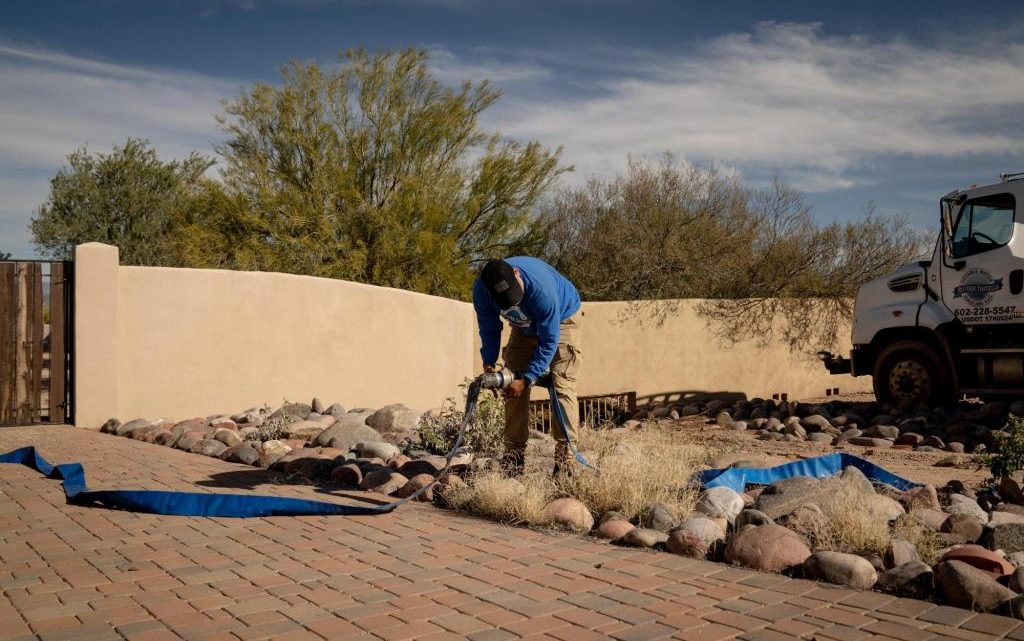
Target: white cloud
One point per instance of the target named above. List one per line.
(52, 103)
(791, 99)
(825, 112)
(482, 64)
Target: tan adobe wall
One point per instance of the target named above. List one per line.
(161, 342)
(625, 350)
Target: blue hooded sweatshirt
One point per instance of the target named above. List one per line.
(548, 299)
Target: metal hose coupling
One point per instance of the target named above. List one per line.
(499, 379)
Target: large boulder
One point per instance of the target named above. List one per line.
(751, 516)
(960, 504)
(377, 449)
(912, 580)
(189, 440)
(613, 529)
(840, 568)
(697, 537)
(209, 447)
(165, 438)
(962, 528)
(884, 507)
(129, 428)
(929, 518)
(770, 548)
(782, 497)
(642, 537)
(852, 475)
(147, 433)
(291, 411)
(1008, 537)
(426, 465)
(228, 437)
(900, 552)
(415, 484)
(245, 452)
(395, 422)
(303, 429)
(383, 481)
(968, 587)
(720, 502)
(272, 451)
(569, 513)
(150, 435)
(189, 425)
(347, 432)
(659, 517)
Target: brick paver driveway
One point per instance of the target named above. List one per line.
(421, 573)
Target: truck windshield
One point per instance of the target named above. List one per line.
(984, 224)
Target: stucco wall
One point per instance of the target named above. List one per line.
(676, 354)
(153, 342)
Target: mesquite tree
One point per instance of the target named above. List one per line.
(373, 171)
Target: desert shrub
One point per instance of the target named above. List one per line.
(924, 539)
(438, 430)
(643, 468)
(512, 501)
(635, 470)
(848, 524)
(1006, 455)
(269, 431)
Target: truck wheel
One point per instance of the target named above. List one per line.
(911, 371)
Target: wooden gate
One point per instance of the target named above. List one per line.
(35, 361)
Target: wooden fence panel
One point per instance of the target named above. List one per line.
(23, 349)
(36, 344)
(58, 351)
(8, 343)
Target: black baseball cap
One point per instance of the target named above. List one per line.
(499, 279)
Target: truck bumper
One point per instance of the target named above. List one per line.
(836, 364)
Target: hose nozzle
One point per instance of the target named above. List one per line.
(497, 380)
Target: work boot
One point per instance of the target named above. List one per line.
(512, 463)
(563, 460)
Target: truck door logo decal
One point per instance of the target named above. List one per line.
(977, 287)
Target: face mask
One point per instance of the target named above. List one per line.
(515, 316)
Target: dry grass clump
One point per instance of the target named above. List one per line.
(635, 470)
(849, 523)
(922, 538)
(512, 501)
(646, 467)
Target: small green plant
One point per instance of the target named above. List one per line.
(1007, 452)
(438, 430)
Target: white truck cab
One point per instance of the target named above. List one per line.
(937, 329)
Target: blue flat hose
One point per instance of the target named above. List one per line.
(737, 478)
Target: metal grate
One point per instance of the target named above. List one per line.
(594, 410)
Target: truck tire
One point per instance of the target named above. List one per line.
(912, 371)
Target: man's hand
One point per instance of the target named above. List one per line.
(488, 369)
(516, 389)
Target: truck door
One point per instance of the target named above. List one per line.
(981, 266)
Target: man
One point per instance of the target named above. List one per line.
(541, 307)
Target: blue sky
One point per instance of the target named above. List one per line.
(893, 102)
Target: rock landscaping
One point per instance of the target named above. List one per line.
(356, 449)
(971, 427)
(946, 543)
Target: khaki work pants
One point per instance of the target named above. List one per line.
(565, 367)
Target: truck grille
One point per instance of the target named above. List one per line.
(906, 283)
